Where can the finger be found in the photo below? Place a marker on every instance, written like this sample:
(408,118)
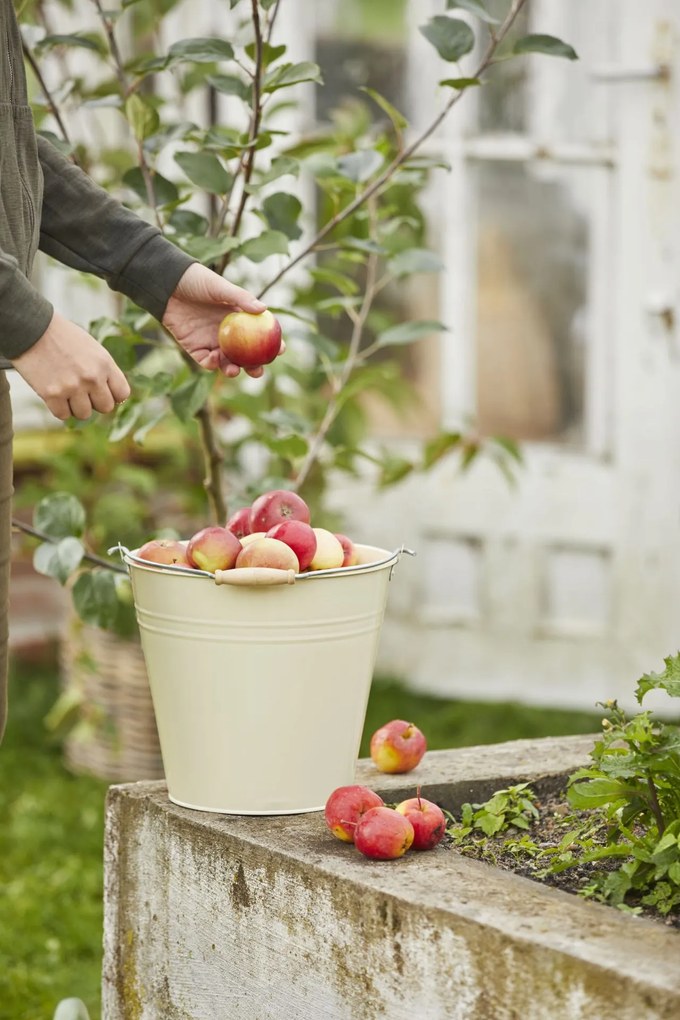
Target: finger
(242,298)
(80,406)
(255,373)
(59,408)
(118,386)
(102,399)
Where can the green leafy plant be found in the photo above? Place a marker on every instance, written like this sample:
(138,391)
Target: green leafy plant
(511,808)
(231,194)
(625,811)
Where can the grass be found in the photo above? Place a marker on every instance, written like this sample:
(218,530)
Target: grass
(51,832)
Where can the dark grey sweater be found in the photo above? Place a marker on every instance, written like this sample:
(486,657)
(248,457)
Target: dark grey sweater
(46,202)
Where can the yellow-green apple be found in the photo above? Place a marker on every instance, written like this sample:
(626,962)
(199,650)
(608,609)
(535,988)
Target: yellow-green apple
(276,506)
(350,553)
(252,537)
(428,821)
(268,552)
(329,553)
(299,536)
(248,339)
(213,549)
(239,522)
(383,834)
(165,551)
(344,808)
(397,746)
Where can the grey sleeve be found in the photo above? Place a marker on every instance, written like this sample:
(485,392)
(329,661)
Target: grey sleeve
(85,228)
(25,315)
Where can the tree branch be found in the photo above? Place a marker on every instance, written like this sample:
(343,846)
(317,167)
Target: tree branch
(44,537)
(52,105)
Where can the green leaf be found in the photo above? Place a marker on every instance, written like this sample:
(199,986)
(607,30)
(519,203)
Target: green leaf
(415,260)
(674,872)
(405,332)
(596,793)
(60,515)
(270,242)
(393,469)
(438,447)
(460,83)
(95,597)
(281,211)
(126,417)
(208,249)
(266,4)
(451,37)
(200,50)
(190,397)
(280,166)
(121,350)
(185,221)
(143,117)
(474,7)
(270,53)
(48,42)
(490,824)
(230,85)
(164,191)
(205,171)
(289,447)
(291,74)
(59,560)
(359,166)
(668,680)
(547,44)
(343,283)
(399,121)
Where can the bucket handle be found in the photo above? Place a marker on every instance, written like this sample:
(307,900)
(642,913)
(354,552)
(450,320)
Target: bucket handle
(255,576)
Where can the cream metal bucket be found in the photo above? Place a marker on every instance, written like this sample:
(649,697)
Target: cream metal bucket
(259,678)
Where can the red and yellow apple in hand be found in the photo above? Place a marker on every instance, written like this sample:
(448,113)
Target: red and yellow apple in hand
(250,340)
(397,746)
(428,821)
(346,806)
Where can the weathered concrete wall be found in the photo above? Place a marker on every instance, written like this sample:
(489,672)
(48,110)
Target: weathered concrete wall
(214,918)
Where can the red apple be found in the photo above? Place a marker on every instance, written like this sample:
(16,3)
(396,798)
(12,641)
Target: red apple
(276,506)
(345,807)
(249,340)
(164,550)
(329,553)
(397,746)
(268,552)
(239,522)
(213,549)
(350,557)
(428,821)
(299,536)
(383,834)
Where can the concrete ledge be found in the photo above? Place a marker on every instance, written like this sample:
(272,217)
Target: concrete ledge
(211,918)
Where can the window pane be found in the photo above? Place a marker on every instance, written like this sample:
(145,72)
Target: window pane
(531,301)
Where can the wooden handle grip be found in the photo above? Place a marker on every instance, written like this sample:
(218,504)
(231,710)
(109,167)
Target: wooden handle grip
(254,576)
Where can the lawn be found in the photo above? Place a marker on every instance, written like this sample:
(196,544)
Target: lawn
(51,832)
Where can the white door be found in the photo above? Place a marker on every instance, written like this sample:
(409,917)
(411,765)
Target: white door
(559,226)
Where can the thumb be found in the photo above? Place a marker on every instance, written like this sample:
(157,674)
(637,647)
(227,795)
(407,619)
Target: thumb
(230,294)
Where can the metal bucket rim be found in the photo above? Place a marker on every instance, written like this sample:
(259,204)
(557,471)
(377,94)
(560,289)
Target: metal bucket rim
(390,559)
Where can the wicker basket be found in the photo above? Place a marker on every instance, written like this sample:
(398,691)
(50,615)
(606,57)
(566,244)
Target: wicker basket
(115,737)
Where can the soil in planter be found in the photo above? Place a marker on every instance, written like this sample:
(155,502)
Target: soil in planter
(555,817)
